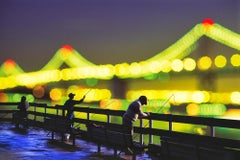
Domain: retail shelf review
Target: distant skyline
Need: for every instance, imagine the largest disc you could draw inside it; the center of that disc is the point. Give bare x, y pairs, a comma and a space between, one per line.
103, 31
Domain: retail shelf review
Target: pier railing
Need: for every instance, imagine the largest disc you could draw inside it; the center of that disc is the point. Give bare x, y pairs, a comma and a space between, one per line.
143, 128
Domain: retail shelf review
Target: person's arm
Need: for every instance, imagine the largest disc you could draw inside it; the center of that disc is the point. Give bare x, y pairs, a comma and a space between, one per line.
142, 114
26, 105
81, 100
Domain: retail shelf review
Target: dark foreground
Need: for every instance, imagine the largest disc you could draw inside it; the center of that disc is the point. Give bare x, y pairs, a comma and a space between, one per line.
35, 144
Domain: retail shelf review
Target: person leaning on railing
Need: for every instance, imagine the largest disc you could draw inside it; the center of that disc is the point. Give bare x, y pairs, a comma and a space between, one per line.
131, 115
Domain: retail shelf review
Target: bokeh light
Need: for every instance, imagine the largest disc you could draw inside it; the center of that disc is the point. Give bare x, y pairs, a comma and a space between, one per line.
235, 60
204, 63
189, 64
56, 94
235, 97
177, 65
220, 61
38, 91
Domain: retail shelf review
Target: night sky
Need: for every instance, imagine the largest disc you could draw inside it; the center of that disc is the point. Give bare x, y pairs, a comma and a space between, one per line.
103, 31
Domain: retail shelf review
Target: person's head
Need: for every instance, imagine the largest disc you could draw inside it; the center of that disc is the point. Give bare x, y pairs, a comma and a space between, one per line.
71, 95
143, 100
23, 98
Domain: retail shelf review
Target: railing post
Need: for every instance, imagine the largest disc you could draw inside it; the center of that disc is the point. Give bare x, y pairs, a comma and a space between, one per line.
34, 112
63, 111
212, 131
170, 123
141, 135
45, 110
108, 119
56, 110
88, 116
150, 135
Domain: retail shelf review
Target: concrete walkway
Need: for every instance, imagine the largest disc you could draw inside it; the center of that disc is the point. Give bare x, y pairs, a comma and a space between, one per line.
35, 144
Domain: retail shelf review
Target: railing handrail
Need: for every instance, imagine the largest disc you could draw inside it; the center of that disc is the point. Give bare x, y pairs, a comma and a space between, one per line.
170, 118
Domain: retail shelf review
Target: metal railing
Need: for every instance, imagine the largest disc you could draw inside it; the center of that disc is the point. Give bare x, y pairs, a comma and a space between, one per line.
38, 111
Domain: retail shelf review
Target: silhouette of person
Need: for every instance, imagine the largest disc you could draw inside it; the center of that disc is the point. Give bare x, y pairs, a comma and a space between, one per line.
134, 112
22, 111
70, 105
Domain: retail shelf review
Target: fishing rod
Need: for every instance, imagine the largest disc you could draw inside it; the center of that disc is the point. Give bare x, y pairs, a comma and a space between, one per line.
87, 92
165, 102
83, 97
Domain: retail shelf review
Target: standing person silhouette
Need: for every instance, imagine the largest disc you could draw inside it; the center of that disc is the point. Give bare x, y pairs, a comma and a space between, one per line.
70, 105
21, 115
133, 112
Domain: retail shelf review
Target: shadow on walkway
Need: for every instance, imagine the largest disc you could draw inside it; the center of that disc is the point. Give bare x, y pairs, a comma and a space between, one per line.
36, 144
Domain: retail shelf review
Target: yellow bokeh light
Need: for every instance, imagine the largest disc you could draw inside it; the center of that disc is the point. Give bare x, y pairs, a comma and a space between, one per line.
198, 97
235, 97
192, 109
135, 68
154, 66
181, 96
235, 60
55, 94
220, 61
189, 64
122, 69
114, 104
166, 66
106, 71
177, 65
204, 63
102, 94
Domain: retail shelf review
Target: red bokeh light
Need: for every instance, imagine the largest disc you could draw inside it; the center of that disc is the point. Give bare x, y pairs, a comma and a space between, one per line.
9, 65
67, 47
208, 21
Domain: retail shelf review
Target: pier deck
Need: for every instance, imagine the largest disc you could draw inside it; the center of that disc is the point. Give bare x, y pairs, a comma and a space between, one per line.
35, 143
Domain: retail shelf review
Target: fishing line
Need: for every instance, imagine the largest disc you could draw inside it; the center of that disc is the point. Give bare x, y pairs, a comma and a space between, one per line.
87, 92
106, 107
78, 113
162, 106
165, 102
85, 96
